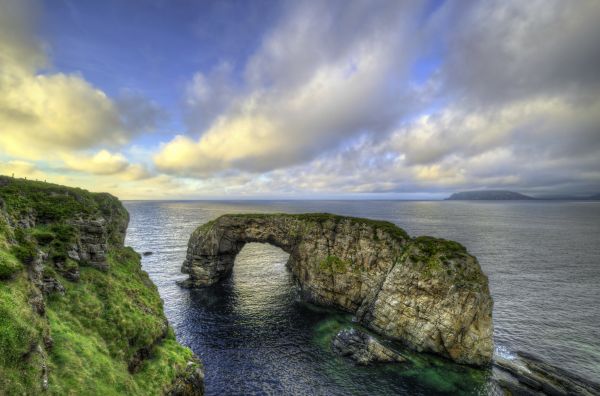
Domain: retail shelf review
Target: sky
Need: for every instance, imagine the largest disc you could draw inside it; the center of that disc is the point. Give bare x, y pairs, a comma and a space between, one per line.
302, 99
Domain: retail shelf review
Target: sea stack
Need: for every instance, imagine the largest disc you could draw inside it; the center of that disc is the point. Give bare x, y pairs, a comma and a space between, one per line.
426, 292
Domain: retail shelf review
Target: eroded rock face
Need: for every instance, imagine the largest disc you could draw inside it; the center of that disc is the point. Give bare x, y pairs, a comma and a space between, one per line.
190, 383
363, 348
427, 292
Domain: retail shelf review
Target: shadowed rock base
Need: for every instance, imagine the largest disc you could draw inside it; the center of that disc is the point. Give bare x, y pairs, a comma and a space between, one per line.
425, 292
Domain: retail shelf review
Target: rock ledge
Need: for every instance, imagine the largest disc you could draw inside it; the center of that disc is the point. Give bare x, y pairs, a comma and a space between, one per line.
363, 348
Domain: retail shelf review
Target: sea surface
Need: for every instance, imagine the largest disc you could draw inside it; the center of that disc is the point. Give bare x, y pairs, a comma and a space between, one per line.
255, 336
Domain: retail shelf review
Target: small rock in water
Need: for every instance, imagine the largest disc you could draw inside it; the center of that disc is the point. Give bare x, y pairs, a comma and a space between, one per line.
363, 348
147, 253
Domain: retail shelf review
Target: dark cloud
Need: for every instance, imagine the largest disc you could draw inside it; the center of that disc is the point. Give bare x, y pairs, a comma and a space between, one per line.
138, 114
499, 51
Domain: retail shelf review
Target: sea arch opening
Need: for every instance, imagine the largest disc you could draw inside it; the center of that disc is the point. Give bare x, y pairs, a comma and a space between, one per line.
260, 276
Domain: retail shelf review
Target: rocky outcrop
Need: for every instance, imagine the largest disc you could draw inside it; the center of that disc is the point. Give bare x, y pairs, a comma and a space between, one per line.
363, 348
428, 293
528, 375
190, 382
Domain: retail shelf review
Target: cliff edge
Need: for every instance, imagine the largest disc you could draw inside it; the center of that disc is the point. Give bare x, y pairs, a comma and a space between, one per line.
78, 315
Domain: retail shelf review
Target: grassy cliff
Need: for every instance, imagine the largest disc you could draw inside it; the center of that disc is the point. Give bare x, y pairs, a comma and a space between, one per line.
78, 315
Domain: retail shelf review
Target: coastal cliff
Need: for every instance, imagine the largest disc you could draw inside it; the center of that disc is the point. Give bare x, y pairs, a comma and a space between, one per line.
428, 293
77, 313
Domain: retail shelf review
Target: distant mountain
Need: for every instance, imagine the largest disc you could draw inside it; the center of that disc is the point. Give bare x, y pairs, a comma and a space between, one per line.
594, 197
487, 195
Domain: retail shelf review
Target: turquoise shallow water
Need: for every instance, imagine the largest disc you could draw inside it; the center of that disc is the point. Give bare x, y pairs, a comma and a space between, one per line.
256, 337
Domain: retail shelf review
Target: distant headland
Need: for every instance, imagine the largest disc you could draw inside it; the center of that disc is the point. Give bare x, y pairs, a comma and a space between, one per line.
505, 195
490, 195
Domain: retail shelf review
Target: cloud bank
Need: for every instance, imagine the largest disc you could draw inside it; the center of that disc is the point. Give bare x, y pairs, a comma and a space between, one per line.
326, 73
510, 99
337, 98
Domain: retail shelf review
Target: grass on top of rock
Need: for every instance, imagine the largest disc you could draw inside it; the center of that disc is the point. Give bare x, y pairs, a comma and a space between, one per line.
442, 256
52, 203
431, 245
385, 226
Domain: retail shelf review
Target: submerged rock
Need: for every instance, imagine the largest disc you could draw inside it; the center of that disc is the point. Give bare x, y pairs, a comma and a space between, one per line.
426, 292
529, 375
363, 348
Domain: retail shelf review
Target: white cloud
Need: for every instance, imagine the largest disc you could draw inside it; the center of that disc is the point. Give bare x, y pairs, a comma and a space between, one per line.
101, 163
315, 81
506, 50
45, 114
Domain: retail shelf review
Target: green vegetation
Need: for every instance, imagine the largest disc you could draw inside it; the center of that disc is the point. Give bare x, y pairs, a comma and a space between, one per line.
377, 225
50, 202
102, 324
54, 205
441, 256
107, 333
43, 235
9, 265
434, 252
25, 249
431, 245
21, 329
333, 264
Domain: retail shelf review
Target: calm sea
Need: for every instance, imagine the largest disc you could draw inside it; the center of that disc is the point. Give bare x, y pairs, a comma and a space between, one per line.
256, 337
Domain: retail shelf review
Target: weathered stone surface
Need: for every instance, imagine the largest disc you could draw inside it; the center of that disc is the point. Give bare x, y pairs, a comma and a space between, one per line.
427, 292
52, 285
95, 236
531, 376
190, 383
363, 348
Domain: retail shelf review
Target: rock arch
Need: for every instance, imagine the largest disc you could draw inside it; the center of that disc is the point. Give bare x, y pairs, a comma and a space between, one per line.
426, 292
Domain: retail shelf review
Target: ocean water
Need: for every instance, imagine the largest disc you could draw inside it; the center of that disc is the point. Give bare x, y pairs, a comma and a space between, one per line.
256, 337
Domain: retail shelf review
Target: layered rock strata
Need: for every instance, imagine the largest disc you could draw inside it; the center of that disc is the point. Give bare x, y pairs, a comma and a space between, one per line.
363, 348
